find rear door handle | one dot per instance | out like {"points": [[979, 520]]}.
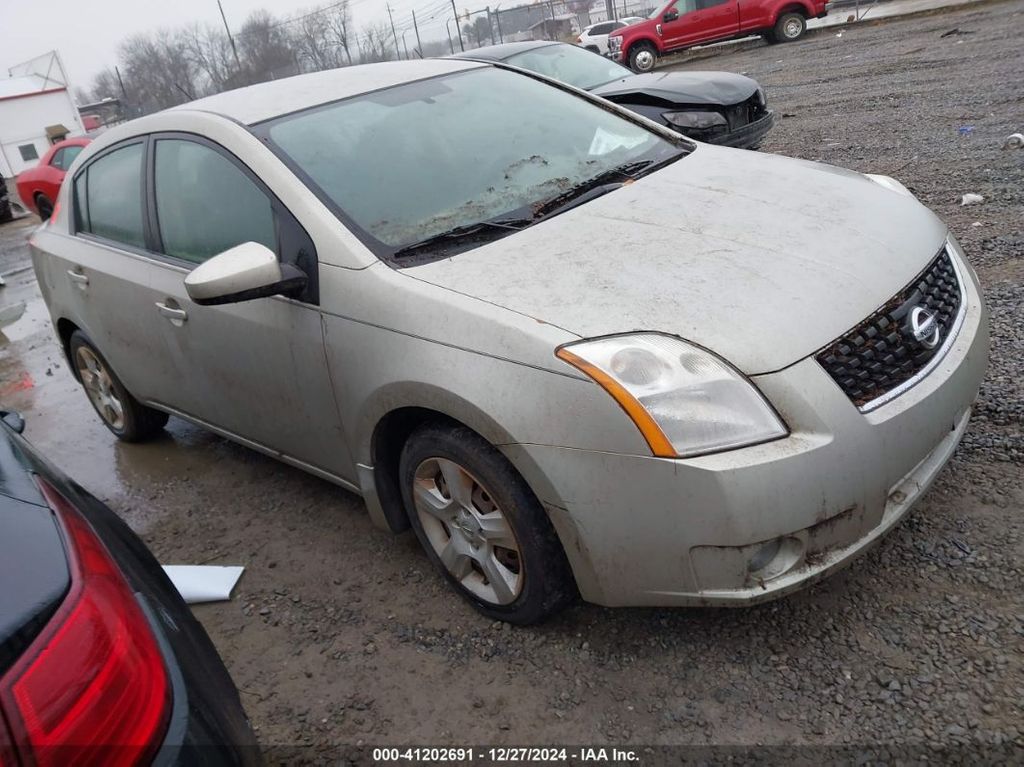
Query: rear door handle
{"points": [[174, 314], [78, 277]]}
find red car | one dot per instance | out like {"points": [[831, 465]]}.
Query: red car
{"points": [[38, 186], [679, 24]]}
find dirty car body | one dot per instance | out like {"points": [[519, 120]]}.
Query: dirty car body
{"points": [[101, 661], [715, 413], [716, 107]]}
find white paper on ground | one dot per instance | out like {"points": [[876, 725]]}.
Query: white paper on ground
{"points": [[203, 583]]}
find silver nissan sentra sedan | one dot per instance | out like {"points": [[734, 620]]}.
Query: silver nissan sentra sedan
{"points": [[574, 351]]}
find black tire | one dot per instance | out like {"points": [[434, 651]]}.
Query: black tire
{"points": [[137, 422], [789, 27], [44, 206], [593, 49], [547, 584], [639, 56]]}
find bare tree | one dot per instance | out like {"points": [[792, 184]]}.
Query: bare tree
{"points": [[314, 44], [375, 44], [210, 51], [338, 21], [265, 49], [157, 70]]}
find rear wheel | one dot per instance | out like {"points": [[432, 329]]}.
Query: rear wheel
{"points": [[481, 525], [789, 27], [120, 412], [642, 57], [44, 206]]}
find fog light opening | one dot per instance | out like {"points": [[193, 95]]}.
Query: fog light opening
{"points": [[773, 558]]}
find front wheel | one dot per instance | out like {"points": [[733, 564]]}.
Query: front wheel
{"points": [[481, 525], [125, 416], [789, 27], [642, 57]]}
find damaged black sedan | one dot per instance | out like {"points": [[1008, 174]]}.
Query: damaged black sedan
{"points": [[716, 107]]}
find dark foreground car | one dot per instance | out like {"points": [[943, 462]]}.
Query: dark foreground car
{"points": [[716, 107], [101, 662], [6, 214]]}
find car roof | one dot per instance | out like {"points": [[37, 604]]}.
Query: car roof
{"points": [[504, 50], [256, 103]]}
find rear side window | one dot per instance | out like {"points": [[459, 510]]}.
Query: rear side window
{"points": [[205, 204], [111, 190], [64, 157]]}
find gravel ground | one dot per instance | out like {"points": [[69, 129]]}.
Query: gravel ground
{"points": [[340, 635]]}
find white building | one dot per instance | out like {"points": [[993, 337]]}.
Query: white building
{"points": [[35, 109]]}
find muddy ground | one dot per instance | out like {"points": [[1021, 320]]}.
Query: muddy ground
{"points": [[341, 634]]}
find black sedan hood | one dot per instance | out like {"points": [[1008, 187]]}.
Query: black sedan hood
{"points": [[684, 88]]}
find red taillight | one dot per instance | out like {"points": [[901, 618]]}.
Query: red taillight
{"points": [[579, 39], [92, 687]]}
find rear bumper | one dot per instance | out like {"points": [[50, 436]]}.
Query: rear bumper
{"points": [[649, 531]]}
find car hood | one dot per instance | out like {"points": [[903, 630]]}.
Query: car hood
{"points": [[760, 258], [691, 88]]}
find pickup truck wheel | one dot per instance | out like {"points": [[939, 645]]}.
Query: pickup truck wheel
{"points": [[125, 416], [481, 525], [789, 27], [642, 57]]}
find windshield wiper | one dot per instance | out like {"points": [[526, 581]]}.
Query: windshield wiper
{"points": [[489, 229], [602, 183]]}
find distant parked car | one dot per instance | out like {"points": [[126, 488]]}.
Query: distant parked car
{"points": [[38, 186], [595, 37], [679, 24], [101, 661], [717, 107]]}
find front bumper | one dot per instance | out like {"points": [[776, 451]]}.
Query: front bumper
{"points": [[640, 530], [748, 136]]}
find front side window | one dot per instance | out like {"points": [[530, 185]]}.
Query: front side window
{"points": [[206, 204], [414, 161], [112, 188], [570, 64]]}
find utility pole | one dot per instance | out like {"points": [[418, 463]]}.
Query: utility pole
{"points": [[458, 28], [490, 25], [394, 34], [609, 7], [497, 19], [419, 45], [231, 39]]}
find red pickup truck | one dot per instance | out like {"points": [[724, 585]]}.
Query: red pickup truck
{"points": [[679, 24]]}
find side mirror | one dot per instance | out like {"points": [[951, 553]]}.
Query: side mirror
{"points": [[241, 273], [670, 15], [14, 420]]}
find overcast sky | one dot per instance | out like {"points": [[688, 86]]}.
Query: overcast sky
{"points": [[87, 34]]}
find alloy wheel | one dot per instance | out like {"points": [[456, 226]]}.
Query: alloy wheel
{"points": [[99, 387], [468, 531]]}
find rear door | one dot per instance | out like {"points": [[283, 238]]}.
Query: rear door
{"points": [[254, 369], [102, 271]]}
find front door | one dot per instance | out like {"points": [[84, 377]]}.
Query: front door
{"points": [[255, 369]]}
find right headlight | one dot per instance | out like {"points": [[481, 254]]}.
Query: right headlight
{"points": [[615, 43], [683, 399], [695, 120]]}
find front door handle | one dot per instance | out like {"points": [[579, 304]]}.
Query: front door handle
{"points": [[78, 278], [176, 315]]}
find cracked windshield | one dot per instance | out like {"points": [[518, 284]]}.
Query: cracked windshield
{"points": [[414, 161]]}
